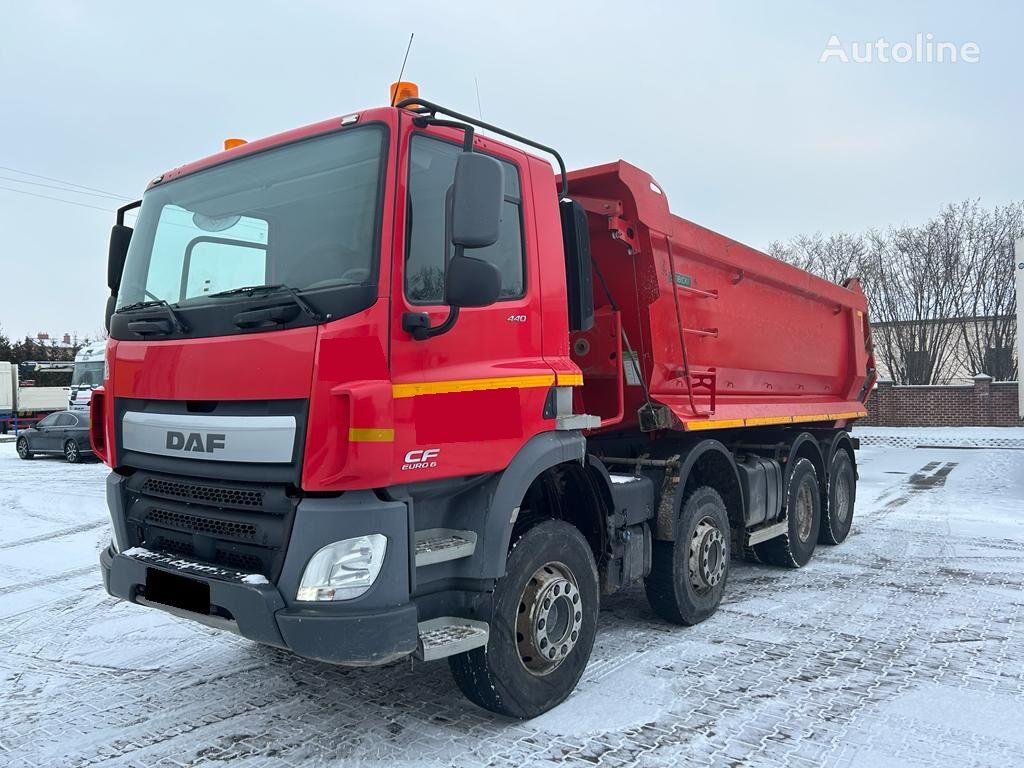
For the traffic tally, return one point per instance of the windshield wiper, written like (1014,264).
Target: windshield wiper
(176,321)
(253,290)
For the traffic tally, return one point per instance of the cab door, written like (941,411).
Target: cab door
(464,401)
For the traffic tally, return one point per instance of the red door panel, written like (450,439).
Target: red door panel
(467,400)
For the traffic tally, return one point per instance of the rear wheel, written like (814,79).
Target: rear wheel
(24,452)
(543,623)
(837,519)
(688,575)
(72,452)
(803,513)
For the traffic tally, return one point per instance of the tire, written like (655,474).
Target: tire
(24,452)
(803,513)
(72,452)
(837,518)
(688,575)
(507,676)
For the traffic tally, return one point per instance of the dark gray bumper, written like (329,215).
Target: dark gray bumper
(373,629)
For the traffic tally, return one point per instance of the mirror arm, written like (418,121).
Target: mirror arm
(418,324)
(124,209)
(422,121)
(426,111)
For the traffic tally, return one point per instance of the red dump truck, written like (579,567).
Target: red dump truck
(384,386)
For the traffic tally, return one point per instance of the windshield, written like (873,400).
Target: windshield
(87,374)
(303,215)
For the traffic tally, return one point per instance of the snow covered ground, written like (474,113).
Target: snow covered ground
(903,646)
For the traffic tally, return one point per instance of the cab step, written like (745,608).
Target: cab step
(449,635)
(438,545)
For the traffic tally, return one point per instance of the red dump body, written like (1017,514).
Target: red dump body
(743,339)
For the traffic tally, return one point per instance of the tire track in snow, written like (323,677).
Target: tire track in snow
(49,579)
(54,535)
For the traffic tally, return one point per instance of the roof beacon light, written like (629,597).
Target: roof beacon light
(403,89)
(232,143)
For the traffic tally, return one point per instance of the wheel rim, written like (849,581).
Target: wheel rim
(842,509)
(804,511)
(71,451)
(23,447)
(550,618)
(707,556)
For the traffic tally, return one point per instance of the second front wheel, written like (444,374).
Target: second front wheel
(688,575)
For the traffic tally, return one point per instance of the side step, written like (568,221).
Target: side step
(768,532)
(437,545)
(449,635)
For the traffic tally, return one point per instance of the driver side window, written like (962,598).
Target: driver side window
(431,174)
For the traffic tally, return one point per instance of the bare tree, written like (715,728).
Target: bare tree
(987,306)
(938,293)
(914,295)
(836,257)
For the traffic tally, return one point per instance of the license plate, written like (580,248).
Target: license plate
(177,591)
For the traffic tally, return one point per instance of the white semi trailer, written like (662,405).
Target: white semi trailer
(18,401)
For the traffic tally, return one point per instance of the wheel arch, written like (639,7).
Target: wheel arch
(806,446)
(540,454)
(842,441)
(709,462)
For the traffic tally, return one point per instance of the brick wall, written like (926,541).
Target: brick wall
(985,403)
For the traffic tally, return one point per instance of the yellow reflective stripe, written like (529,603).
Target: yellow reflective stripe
(757,421)
(363,435)
(471,385)
(570,379)
(720,424)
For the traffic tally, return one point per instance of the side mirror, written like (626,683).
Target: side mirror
(109,311)
(477,195)
(471,282)
(120,238)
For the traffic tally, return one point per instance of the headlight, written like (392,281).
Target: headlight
(343,570)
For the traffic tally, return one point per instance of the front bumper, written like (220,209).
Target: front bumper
(258,612)
(375,628)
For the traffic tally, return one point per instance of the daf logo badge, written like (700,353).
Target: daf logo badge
(195,442)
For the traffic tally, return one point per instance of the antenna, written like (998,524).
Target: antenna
(479,109)
(402,70)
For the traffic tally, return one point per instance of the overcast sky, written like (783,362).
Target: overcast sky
(726,104)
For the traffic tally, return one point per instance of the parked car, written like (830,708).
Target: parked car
(64,432)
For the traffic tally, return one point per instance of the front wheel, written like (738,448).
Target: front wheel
(688,575)
(24,452)
(72,452)
(543,623)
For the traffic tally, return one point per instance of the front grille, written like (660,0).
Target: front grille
(203,494)
(221,529)
(182,548)
(241,528)
(239,561)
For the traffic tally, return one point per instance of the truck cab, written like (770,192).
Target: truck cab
(345,410)
(87,374)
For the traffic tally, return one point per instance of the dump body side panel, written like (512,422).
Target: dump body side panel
(724,335)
